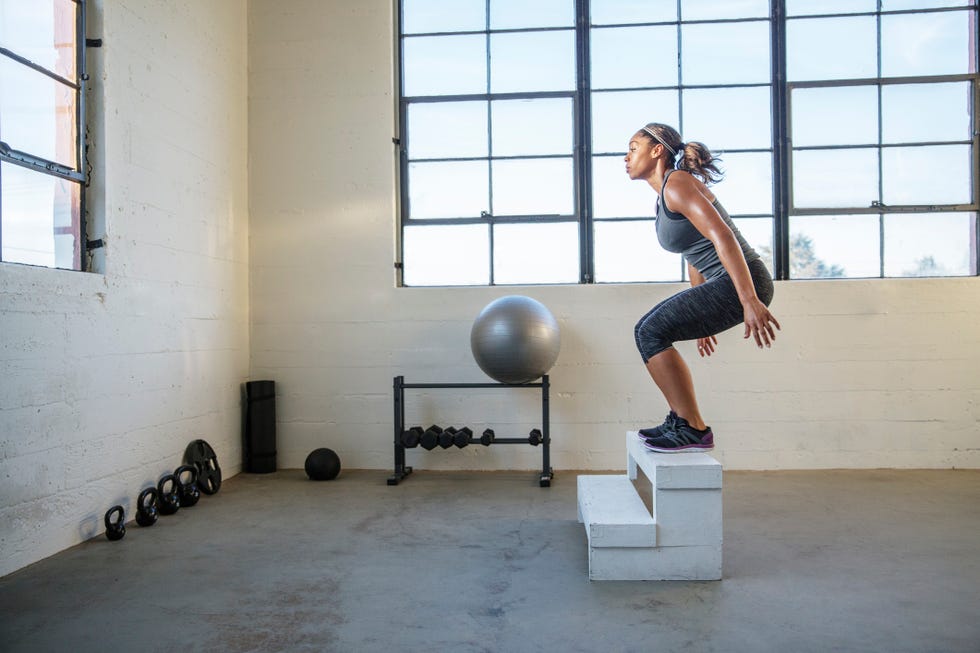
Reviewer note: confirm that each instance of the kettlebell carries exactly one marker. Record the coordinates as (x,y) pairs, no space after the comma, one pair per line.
(115,530)
(146,507)
(169,498)
(188,490)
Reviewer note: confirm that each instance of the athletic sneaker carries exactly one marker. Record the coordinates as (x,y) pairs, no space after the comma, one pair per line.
(680,436)
(657,431)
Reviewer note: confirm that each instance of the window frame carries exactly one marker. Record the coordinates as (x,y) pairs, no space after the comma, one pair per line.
(781,146)
(78,173)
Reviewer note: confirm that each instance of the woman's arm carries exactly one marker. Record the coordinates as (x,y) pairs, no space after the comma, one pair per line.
(686,195)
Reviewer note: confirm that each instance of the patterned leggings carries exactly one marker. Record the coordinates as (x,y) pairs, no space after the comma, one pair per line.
(698,312)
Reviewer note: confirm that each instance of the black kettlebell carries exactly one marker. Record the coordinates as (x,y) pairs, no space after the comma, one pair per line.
(187,489)
(115,530)
(146,507)
(168,497)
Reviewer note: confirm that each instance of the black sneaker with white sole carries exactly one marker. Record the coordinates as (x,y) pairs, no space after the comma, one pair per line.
(657,431)
(679,436)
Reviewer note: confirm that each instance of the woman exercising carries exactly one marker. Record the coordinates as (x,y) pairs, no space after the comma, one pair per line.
(729,282)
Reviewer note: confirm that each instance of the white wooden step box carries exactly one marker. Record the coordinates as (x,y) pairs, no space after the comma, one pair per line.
(671,532)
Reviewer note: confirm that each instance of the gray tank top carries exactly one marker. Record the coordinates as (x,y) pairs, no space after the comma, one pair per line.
(677,234)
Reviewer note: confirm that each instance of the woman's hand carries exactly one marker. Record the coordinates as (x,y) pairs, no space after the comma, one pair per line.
(706,346)
(759,322)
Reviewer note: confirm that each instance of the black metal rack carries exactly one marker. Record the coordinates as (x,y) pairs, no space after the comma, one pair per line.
(402,470)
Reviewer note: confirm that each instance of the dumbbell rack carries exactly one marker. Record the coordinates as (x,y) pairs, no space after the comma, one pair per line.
(402,470)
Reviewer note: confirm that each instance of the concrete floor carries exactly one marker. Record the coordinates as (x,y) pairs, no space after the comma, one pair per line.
(814,561)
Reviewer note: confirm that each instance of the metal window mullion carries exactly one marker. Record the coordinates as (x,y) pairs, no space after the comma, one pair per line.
(488,214)
(881,152)
(80,122)
(781,144)
(582,145)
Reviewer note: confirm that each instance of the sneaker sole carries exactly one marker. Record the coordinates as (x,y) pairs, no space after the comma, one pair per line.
(684,449)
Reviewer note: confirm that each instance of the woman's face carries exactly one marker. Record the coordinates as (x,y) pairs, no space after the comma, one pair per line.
(640,157)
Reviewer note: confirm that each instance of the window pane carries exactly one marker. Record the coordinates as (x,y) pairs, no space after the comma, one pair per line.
(421,16)
(727,53)
(447,129)
(617,116)
(729,118)
(446,255)
(846,115)
(817,178)
(809,7)
(40,117)
(834,246)
(457,189)
(517,14)
(523,127)
(532,61)
(42,32)
(629,251)
(622,12)
(533,187)
(926,112)
(535,253)
(758,233)
(854,54)
(612,69)
(926,44)
(717,9)
(747,186)
(895,5)
(444,65)
(928,245)
(615,195)
(926,175)
(40,226)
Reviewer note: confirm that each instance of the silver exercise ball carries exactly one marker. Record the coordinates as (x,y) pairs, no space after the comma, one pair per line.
(515,339)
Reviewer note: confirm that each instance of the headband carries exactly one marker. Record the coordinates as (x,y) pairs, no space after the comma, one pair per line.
(678,154)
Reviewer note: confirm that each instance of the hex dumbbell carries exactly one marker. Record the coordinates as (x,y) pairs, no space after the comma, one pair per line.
(411,437)
(430,438)
(446,437)
(487,438)
(462,437)
(534,438)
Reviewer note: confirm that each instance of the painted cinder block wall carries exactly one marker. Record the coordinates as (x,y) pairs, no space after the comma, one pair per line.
(105,378)
(866,373)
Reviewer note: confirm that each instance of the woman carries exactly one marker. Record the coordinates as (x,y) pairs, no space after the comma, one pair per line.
(729,282)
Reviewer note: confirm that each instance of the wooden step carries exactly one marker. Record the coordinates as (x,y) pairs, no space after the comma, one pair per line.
(613,513)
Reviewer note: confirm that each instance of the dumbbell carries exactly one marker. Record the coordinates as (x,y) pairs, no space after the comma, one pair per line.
(430,437)
(487,438)
(534,437)
(462,437)
(411,437)
(446,437)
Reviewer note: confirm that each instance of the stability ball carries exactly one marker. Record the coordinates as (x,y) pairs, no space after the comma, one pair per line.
(515,339)
(322,465)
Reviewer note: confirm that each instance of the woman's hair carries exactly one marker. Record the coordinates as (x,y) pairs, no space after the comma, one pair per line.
(693,157)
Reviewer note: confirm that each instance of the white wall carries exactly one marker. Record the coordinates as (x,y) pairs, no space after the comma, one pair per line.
(877,373)
(105,378)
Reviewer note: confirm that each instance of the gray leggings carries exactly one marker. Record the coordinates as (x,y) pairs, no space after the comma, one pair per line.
(698,312)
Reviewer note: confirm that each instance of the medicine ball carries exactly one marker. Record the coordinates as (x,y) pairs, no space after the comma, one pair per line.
(322,465)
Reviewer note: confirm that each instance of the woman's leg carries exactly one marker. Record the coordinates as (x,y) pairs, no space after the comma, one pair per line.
(697,312)
(673,377)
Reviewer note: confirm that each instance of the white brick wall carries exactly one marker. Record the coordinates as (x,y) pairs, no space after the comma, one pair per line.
(104,379)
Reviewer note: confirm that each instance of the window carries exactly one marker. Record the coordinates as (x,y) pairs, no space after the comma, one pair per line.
(42,117)
(884,143)
(856,159)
